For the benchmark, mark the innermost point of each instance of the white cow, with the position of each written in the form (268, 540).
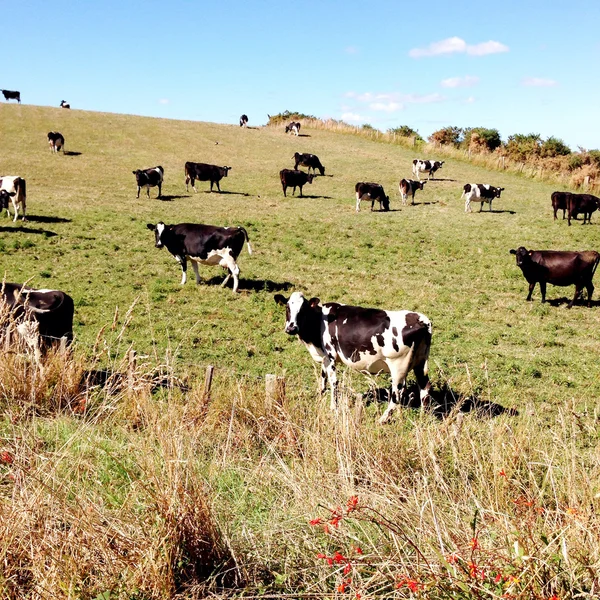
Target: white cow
(13, 187)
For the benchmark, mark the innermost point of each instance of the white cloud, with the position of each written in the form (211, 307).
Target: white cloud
(538, 82)
(164, 101)
(350, 116)
(455, 45)
(459, 82)
(470, 100)
(386, 106)
(394, 100)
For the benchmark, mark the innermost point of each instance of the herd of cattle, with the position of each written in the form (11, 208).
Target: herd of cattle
(365, 339)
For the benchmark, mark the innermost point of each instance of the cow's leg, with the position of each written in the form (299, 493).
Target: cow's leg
(413, 199)
(358, 199)
(183, 262)
(531, 286)
(421, 373)
(284, 190)
(577, 292)
(229, 263)
(564, 211)
(196, 273)
(301, 186)
(218, 187)
(16, 207)
(323, 379)
(590, 290)
(398, 373)
(294, 191)
(148, 191)
(481, 206)
(490, 205)
(159, 190)
(467, 204)
(138, 194)
(543, 290)
(329, 366)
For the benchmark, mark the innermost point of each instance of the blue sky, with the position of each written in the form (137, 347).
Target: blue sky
(520, 67)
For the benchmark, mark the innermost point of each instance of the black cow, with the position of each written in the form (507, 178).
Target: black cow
(365, 339)
(581, 203)
(56, 141)
(244, 121)
(292, 178)
(559, 202)
(203, 244)
(293, 127)
(149, 178)
(426, 166)
(480, 192)
(308, 160)
(204, 172)
(558, 268)
(64, 104)
(409, 186)
(372, 192)
(8, 95)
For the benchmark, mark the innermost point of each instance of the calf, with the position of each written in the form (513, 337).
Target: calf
(64, 104)
(292, 178)
(365, 339)
(371, 191)
(203, 244)
(480, 192)
(409, 186)
(244, 121)
(14, 187)
(8, 95)
(293, 127)
(149, 178)
(559, 202)
(558, 268)
(308, 160)
(426, 166)
(204, 172)
(56, 141)
(581, 203)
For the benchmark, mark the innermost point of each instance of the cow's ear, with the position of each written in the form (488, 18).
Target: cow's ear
(530, 252)
(150, 226)
(314, 302)
(281, 300)
(513, 251)
(134, 172)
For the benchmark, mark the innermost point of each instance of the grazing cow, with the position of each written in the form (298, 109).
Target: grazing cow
(56, 141)
(204, 172)
(149, 178)
(64, 104)
(426, 166)
(293, 127)
(8, 95)
(308, 160)
(558, 268)
(14, 187)
(371, 191)
(366, 339)
(244, 121)
(203, 244)
(479, 192)
(559, 202)
(292, 178)
(409, 186)
(581, 203)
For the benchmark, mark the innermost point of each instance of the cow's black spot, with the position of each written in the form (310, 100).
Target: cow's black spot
(395, 331)
(415, 331)
(395, 343)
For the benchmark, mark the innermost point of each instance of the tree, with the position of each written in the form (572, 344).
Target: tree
(554, 147)
(405, 131)
(448, 136)
(476, 138)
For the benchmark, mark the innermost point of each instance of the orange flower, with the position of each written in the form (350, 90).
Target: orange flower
(6, 457)
(452, 558)
(341, 588)
(347, 568)
(352, 503)
(411, 584)
(474, 543)
(316, 521)
(498, 578)
(358, 550)
(502, 473)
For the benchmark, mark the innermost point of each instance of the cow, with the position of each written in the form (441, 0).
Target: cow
(56, 141)
(15, 188)
(366, 339)
(426, 166)
(203, 244)
(558, 268)
(308, 160)
(244, 121)
(293, 127)
(559, 202)
(409, 186)
(64, 104)
(479, 192)
(149, 178)
(292, 178)
(581, 203)
(371, 191)
(8, 95)
(204, 172)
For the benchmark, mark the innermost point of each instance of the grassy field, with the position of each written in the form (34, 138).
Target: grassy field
(139, 492)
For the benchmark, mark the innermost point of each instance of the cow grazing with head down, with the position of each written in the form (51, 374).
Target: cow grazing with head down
(64, 104)
(244, 121)
(147, 178)
(204, 172)
(292, 178)
(203, 244)
(8, 95)
(479, 192)
(308, 160)
(409, 186)
(366, 339)
(558, 268)
(293, 127)
(13, 188)
(581, 203)
(56, 141)
(426, 166)
(559, 202)
(371, 191)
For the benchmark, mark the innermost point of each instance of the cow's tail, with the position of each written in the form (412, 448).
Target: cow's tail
(21, 191)
(595, 266)
(247, 240)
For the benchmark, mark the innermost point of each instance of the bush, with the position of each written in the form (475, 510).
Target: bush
(478, 138)
(286, 116)
(522, 147)
(448, 136)
(575, 162)
(554, 147)
(368, 127)
(405, 131)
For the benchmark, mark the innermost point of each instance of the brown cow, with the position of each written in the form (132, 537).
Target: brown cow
(559, 202)
(582, 203)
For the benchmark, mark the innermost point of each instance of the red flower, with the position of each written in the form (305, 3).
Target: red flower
(326, 528)
(347, 568)
(474, 543)
(316, 521)
(411, 584)
(330, 561)
(339, 557)
(358, 550)
(554, 597)
(352, 503)
(498, 578)
(321, 555)
(502, 473)
(452, 558)
(6, 458)
(341, 588)
(335, 521)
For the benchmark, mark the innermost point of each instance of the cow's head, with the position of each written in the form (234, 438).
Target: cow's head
(498, 192)
(161, 231)
(385, 203)
(523, 255)
(296, 304)
(321, 170)
(140, 176)
(226, 170)
(438, 164)
(309, 178)
(419, 184)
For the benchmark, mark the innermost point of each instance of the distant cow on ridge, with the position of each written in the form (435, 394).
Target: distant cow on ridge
(244, 121)
(64, 104)
(204, 172)
(147, 178)
(308, 160)
(8, 95)
(56, 141)
(293, 127)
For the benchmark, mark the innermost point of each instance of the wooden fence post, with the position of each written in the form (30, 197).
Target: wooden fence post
(586, 182)
(274, 390)
(208, 382)
(132, 359)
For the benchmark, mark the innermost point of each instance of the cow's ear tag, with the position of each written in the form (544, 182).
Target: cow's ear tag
(530, 252)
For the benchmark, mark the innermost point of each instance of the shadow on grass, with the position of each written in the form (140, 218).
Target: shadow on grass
(303, 135)
(510, 212)
(313, 197)
(71, 153)
(113, 382)
(45, 219)
(227, 192)
(27, 230)
(169, 198)
(579, 302)
(441, 179)
(253, 285)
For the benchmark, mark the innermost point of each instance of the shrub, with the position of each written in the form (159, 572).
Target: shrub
(448, 136)
(554, 147)
(522, 147)
(286, 116)
(368, 127)
(405, 131)
(481, 138)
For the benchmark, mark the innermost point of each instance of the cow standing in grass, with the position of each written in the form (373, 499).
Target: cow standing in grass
(293, 178)
(409, 186)
(204, 172)
(13, 188)
(56, 141)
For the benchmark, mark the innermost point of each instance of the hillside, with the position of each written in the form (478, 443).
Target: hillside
(165, 468)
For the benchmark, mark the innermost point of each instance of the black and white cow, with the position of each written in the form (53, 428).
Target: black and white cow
(204, 172)
(147, 178)
(366, 339)
(203, 244)
(14, 188)
(8, 95)
(244, 121)
(308, 160)
(56, 141)
(480, 192)
(64, 104)
(426, 166)
(293, 127)
(409, 186)
(293, 178)
(371, 191)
